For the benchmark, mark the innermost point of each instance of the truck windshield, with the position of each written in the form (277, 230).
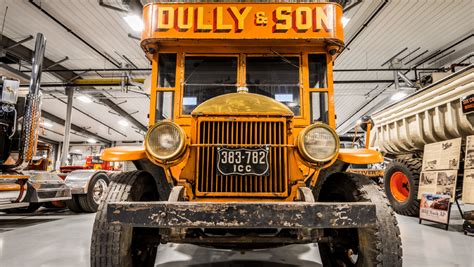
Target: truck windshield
(276, 77)
(206, 77)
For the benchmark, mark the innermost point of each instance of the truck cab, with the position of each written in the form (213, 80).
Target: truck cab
(241, 150)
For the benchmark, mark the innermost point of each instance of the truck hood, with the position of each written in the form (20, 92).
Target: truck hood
(242, 104)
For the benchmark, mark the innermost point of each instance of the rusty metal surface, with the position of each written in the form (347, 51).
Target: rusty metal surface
(242, 215)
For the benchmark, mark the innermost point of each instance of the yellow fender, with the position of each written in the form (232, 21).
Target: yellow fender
(360, 156)
(123, 153)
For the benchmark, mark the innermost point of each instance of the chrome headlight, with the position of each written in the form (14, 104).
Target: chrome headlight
(165, 141)
(318, 143)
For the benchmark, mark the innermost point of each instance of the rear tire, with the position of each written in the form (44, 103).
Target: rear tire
(115, 244)
(95, 191)
(408, 204)
(73, 204)
(379, 245)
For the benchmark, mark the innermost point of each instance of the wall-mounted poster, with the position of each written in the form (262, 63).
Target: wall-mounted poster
(442, 155)
(438, 182)
(435, 208)
(468, 187)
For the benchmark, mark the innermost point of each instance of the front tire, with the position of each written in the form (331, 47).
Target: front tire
(122, 245)
(401, 181)
(96, 189)
(379, 245)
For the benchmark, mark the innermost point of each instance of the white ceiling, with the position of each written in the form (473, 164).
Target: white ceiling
(428, 24)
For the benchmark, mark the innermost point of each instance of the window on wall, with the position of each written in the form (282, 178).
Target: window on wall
(164, 105)
(319, 107)
(166, 70)
(276, 77)
(207, 77)
(317, 65)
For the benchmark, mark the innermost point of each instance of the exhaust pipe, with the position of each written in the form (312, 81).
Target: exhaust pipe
(32, 114)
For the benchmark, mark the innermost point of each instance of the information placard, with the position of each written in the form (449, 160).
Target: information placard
(435, 208)
(438, 182)
(468, 187)
(442, 155)
(468, 182)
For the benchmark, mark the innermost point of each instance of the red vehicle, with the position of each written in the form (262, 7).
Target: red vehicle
(92, 163)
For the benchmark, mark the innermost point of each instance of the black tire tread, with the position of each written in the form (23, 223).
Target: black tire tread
(73, 204)
(107, 238)
(414, 167)
(86, 201)
(384, 238)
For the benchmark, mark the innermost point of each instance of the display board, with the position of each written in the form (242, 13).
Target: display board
(442, 155)
(440, 167)
(438, 182)
(435, 208)
(468, 182)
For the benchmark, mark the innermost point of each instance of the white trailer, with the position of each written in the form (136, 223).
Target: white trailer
(432, 114)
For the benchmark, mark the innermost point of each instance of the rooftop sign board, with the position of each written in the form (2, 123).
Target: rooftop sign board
(308, 21)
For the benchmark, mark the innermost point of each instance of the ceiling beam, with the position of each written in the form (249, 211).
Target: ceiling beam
(102, 54)
(149, 70)
(47, 140)
(64, 74)
(103, 99)
(26, 54)
(74, 127)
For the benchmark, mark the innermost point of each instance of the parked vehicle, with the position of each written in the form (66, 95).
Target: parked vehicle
(241, 150)
(19, 124)
(88, 183)
(432, 114)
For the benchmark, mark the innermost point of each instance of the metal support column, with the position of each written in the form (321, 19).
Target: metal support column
(67, 126)
(397, 84)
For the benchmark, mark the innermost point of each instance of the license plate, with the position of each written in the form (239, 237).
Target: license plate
(243, 161)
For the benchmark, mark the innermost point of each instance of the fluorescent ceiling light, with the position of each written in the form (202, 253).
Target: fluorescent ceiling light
(398, 96)
(91, 141)
(135, 22)
(85, 99)
(123, 123)
(47, 124)
(345, 20)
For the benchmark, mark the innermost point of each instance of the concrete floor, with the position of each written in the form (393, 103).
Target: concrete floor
(61, 238)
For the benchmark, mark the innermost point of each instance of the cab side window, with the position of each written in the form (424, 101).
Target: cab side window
(166, 85)
(319, 96)
(317, 71)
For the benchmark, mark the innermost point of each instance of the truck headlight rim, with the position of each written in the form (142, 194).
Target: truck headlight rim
(304, 152)
(152, 133)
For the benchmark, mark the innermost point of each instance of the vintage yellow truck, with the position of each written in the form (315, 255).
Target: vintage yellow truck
(241, 150)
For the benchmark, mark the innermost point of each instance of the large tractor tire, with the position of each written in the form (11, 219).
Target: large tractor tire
(123, 245)
(379, 245)
(401, 185)
(95, 191)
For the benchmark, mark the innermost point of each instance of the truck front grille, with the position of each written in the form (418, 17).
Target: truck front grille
(237, 133)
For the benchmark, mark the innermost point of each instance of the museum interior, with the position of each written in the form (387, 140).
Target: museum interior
(236, 133)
